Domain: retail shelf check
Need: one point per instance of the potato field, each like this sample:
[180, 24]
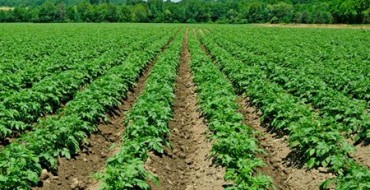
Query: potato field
[184, 107]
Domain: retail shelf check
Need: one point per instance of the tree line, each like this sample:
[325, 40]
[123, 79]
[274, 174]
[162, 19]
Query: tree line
[188, 11]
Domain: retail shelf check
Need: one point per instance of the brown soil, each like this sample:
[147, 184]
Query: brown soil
[280, 164]
[77, 173]
[187, 165]
[362, 153]
[334, 26]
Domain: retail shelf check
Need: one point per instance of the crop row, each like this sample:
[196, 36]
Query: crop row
[319, 145]
[146, 125]
[234, 145]
[341, 65]
[23, 108]
[305, 47]
[338, 110]
[61, 135]
[71, 59]
[31, 45]
[37, 49]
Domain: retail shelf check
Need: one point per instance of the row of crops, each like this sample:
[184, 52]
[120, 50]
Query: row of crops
[78, 101]
[311, 85]
[340, 58]
[234, 148]
[317, 115]
[346, 109]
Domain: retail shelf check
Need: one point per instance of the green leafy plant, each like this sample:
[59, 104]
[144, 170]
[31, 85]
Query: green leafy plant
[63, 133]
[23, 108]
[234, 146]
[146, 126]
[319, 143]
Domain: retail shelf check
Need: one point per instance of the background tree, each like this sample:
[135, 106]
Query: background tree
[85, 11]
[124, 14]
[366, 16]
[140, 13]
[72, 14]
[190, 11]
[156, 12]
[61, 12]
[48, 12]
[256, 12]
[280, 13]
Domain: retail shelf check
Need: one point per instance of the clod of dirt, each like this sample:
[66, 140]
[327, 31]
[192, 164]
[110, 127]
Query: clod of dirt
[75, 183]
[44, 174]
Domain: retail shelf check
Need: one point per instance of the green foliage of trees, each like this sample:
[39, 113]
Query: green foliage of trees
[188, 11]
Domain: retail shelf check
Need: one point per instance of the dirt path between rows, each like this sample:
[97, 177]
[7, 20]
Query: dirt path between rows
[77, 173]
[280, 164]
[187, 165]
[362, 153]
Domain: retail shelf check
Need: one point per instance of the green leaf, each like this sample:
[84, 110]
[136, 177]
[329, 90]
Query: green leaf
[3, 178]
[311, 162]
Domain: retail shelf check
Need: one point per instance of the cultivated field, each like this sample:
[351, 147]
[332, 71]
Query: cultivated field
[6, 8]
[159, 106]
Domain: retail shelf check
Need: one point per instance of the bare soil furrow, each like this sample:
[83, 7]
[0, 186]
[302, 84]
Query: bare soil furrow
[361, 153]
[77, 173]
[187, 164]
[281, 164]
[281, 161]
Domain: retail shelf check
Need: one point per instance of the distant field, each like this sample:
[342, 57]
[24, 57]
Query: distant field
[6, 8]
[191, 106]
[339, 26]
